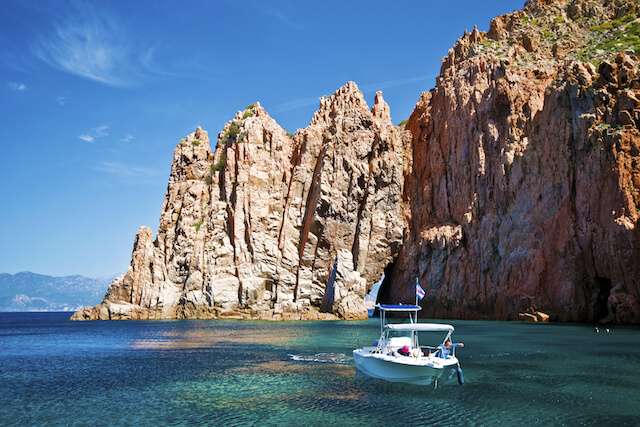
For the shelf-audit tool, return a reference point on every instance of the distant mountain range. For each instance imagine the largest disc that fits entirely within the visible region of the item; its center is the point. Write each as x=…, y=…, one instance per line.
x=27, y=291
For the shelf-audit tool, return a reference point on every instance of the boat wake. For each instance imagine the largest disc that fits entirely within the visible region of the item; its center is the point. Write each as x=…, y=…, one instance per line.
x=337, y=358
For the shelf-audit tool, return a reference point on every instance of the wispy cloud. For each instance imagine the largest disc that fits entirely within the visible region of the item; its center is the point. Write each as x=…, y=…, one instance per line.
x=127, y=138
x=95, y=133
x=61, y=100
x=96, y=47
x=282, y=18
x=101, y=131
x=17, y=86
x=296, y=104
x=122, y=170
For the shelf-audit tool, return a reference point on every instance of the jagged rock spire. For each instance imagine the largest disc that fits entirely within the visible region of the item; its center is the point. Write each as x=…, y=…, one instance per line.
x=253, y=229
x=381, y=109
x=346, y=99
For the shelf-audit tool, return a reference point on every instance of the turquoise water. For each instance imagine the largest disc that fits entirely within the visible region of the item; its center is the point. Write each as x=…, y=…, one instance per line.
x=57, y=372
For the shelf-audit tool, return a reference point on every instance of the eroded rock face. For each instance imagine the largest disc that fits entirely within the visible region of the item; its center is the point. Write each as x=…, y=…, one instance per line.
x=524, y=184
x=265, y=224
x=346, y=289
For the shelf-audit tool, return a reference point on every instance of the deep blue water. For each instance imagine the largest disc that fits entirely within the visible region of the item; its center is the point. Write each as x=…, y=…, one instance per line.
x=57, y=372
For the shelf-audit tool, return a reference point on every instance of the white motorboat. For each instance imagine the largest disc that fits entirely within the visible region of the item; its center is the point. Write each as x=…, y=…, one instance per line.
x=398, y=355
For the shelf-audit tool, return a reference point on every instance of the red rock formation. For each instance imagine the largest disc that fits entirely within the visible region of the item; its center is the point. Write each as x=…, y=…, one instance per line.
x=524, y=183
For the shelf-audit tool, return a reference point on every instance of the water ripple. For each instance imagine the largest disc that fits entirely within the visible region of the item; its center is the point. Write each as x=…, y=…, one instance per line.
x=337, y=358
x=302, y=373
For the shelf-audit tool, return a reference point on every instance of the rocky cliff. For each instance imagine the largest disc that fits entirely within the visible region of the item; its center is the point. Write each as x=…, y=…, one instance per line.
x=515, y=188
x=271, y=225
x=524, y=190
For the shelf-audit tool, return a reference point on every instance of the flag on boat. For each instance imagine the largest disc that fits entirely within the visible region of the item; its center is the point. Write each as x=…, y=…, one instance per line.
x=419, y=291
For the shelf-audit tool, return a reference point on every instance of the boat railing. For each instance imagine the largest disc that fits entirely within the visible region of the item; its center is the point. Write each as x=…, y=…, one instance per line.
x=434, y=350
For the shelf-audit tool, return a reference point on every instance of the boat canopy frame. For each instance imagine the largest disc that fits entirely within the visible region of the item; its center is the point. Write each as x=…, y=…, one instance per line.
x=419, y=327
x=397, y=308
x=413, y=326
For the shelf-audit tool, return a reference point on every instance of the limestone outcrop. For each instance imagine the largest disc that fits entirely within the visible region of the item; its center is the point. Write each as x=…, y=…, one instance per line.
x=525, y=178
x=268, y=223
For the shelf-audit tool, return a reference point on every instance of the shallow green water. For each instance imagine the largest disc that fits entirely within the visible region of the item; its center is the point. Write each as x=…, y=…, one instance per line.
x=53, y=371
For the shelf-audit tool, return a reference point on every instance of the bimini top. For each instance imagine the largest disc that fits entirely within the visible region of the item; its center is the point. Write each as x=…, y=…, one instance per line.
x=419, y=327
x=399, y=307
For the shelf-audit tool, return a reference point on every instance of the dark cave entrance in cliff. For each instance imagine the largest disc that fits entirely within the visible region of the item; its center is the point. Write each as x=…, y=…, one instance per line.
x=384, y=294
x=601, y=292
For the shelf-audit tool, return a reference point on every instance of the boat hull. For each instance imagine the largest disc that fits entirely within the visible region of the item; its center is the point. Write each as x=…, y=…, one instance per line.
x=389, y=370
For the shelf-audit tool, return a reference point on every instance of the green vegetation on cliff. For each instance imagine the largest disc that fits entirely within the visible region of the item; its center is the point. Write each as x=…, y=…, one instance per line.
x=610, y=37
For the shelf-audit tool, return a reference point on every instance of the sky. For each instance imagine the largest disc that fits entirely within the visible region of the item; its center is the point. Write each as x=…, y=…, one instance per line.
x=94, y=96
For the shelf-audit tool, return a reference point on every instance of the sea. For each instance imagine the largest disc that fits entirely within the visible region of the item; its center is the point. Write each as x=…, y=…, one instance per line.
x=249, y=373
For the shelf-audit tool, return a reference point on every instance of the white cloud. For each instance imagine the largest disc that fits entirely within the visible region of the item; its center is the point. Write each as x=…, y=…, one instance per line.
x=123, y=170
x=127, y=138
x=94, y=46
x=95, y=133
x=17, y=86
x=61, y=100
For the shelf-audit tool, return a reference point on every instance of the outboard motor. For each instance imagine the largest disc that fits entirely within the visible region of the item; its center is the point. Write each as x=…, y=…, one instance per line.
x=460, y=375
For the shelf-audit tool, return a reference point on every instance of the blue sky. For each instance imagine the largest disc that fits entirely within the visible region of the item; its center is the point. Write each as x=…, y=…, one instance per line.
x=95, y=95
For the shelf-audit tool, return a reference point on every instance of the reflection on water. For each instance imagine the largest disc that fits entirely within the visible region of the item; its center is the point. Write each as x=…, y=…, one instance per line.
x=286, y=367
x=302, y=373
x=199, y=337
x=272, y=366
